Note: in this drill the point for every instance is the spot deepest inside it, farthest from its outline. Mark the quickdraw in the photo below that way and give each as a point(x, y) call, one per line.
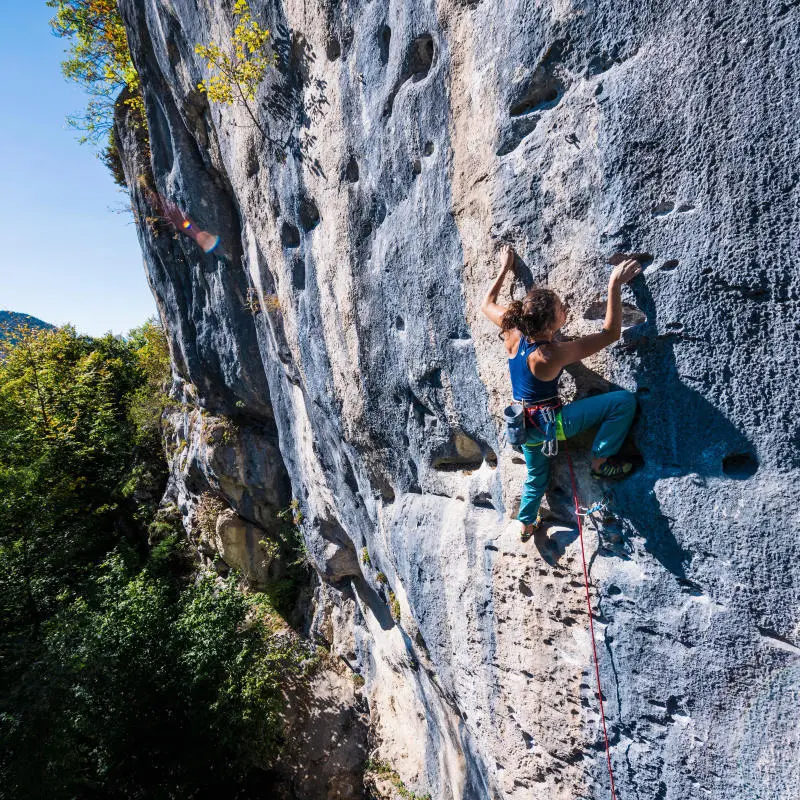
point(544, 417)
point(600, 505)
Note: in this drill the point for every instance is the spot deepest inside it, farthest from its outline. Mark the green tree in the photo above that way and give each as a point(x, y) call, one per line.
point(152, 689)
point(124, 675)
point(65, 457)
point(150, 399)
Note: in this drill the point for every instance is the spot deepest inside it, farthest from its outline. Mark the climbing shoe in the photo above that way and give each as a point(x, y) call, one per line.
point(613, 469)
point(529, 530)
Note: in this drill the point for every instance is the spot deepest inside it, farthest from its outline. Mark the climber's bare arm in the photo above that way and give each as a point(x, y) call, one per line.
point(490, 307)
point(549, 359)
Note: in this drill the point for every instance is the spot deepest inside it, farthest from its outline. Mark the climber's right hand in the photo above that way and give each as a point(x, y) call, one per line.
point(625, 272)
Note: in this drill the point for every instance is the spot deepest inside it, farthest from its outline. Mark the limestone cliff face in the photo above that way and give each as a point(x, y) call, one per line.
point(338, 328)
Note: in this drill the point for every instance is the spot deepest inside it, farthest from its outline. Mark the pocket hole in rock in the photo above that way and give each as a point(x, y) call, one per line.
point(422, 414)
point(416, 167)
point(675, 326)
point(290, 236)
point(513, 137)
point(333, 49)
point(309, 214)
point(299, 274)
point(351, 170)
point(384, 38)
point(433, 378)
point(684, 207)
point(483, 500)
point(630, 314)
point(459, 453)
point(669, 266)
point(599, 64)
point(740, 465)
point(419, 59)
point(544, 92)
point(662, 209)
point(428, 149)
point(400, 323)
point(645, 259)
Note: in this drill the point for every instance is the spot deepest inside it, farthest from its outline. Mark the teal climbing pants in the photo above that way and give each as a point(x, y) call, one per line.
point(612, 412)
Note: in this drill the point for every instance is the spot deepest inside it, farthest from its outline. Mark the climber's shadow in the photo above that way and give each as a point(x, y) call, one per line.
point(554, 544)
point(676, 432)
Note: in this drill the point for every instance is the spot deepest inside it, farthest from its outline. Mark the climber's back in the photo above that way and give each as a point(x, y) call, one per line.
point(525, 386)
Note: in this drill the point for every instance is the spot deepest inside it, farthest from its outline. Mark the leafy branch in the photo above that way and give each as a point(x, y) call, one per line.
point(99, 61)
point(240, 66)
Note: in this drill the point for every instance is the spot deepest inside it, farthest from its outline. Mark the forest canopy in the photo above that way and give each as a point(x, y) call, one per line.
point(126, 672)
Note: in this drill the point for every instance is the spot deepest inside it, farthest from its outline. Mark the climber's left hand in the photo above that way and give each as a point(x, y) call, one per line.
point(506, 257)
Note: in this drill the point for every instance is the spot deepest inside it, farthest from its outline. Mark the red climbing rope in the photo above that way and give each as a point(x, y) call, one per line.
point(591, 620)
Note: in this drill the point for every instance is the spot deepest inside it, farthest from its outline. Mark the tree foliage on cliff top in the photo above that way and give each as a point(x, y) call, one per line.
point(238, 67)
point(122, 675)
point(100, 61)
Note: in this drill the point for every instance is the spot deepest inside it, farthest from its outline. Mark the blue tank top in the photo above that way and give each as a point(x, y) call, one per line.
point(524, 384)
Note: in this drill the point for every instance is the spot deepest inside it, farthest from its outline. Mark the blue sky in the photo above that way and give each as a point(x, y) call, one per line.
point(67, 256)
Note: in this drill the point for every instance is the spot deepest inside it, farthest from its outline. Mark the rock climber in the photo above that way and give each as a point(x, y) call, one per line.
point(168, 211)
point(536, 361)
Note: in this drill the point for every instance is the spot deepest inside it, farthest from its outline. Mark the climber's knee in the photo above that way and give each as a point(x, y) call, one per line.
point(628, 401)
point(622, 404)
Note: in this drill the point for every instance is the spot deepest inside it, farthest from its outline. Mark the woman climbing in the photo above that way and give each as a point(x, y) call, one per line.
point(536, 362)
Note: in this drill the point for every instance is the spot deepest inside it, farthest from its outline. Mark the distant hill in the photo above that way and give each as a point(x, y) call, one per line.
point(11, 320)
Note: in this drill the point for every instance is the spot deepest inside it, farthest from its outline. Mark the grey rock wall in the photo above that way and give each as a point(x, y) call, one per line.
point(402, 142)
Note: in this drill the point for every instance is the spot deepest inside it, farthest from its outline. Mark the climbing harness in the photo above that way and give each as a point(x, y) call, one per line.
point(579, 516)
point(545, 417)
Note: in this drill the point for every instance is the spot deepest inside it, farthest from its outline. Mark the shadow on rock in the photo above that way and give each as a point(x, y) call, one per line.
point(553, 546)
point(295, 101)
point(676, 432)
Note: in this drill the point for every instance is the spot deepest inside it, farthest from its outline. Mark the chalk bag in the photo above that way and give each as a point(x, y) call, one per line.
point(514, 416)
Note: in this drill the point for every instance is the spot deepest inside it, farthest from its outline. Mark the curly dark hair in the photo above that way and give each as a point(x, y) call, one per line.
point(534, 314)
